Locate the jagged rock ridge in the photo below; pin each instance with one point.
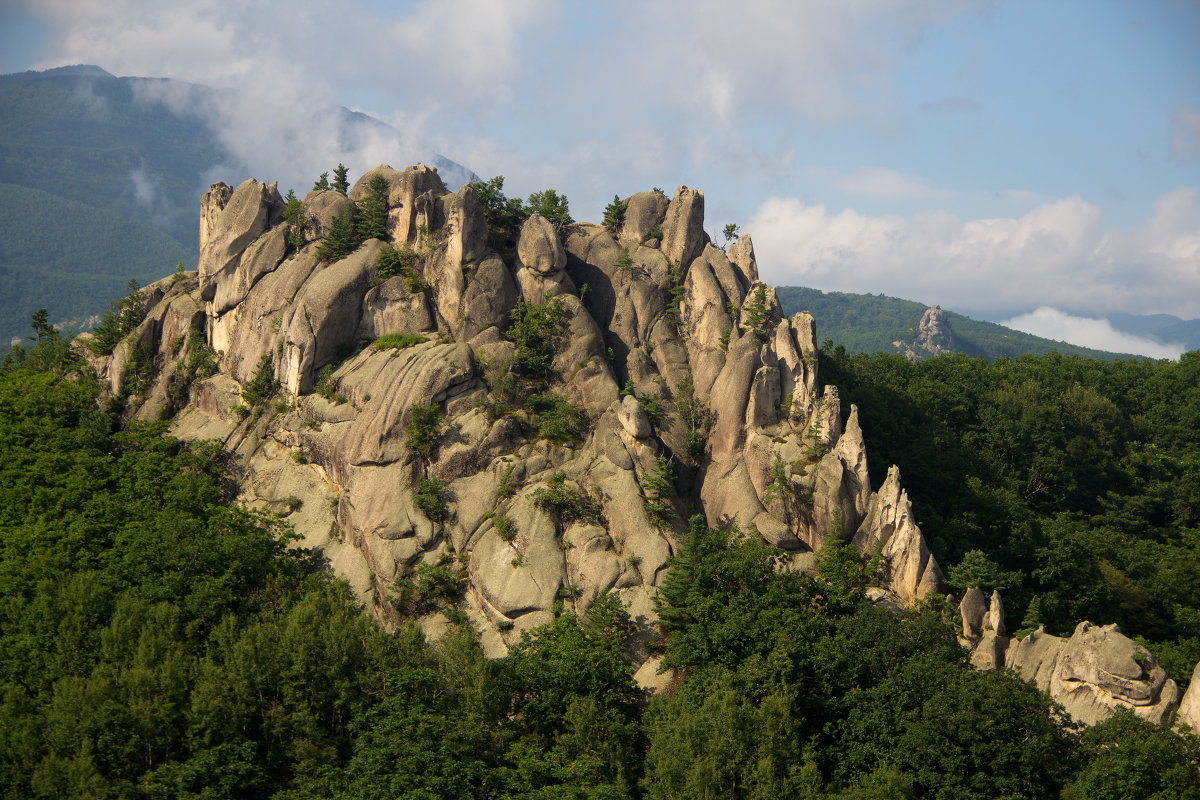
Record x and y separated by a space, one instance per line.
731 384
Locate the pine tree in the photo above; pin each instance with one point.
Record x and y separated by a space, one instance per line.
614 214
340 182
339 241
372 211
322 182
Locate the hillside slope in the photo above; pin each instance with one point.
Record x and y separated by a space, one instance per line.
62 255
864 323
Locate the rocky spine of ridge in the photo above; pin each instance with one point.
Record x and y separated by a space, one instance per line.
1091 673
753 439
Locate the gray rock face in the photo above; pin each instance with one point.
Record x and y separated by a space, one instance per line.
683 228
763 445
242 217
973 611
1097 670
643 211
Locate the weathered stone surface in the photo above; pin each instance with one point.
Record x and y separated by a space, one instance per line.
411 194
741 254
539 248
643 211
227 233
324 317
995 615
973 610
633 418
321 207
1189 707
391 308
683 227
1097 670
889 528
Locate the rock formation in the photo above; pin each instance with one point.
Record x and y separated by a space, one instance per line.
722 386
934 336
1093 672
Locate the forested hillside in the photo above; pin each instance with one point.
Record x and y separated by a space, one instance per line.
156 642
59 254
1070 484
864 323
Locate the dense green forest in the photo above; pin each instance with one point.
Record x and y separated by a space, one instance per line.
72 271
156 641
864 323
1070 484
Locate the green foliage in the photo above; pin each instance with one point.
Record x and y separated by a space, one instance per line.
325 385
730 232
322 182
340 240
504 216
341 183
555 418
675 292
756 312
424 429
506 529
431 498
536 329
1074 479
506 488
658 491
551 205
656 232
398 341
625 263
614 214
566 503
262 385
293 215
1127 758
695 414
373 210
122 317
654 409
400 260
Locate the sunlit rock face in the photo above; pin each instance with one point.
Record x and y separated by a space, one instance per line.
670 365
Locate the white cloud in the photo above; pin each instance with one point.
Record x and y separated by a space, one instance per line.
1099 334
1059 254
888 183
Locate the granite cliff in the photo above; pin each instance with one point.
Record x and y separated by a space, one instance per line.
501 426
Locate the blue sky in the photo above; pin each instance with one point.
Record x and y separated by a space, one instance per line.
993 157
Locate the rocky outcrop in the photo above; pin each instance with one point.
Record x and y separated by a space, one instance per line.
719 384
1092 673
934 336
1189 706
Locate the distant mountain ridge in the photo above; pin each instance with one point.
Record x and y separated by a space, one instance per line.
105 144
864 323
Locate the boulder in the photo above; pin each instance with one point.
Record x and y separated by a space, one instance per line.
633 417
643 211
243 216
973 610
